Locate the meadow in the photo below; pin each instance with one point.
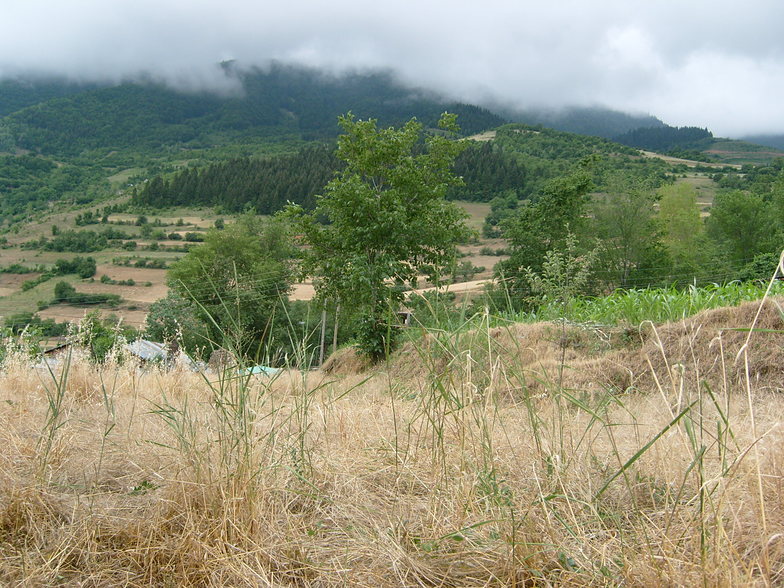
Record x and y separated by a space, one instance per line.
541 454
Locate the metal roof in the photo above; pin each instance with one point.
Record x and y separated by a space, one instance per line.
147 350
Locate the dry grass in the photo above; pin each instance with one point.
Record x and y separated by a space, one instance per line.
462 462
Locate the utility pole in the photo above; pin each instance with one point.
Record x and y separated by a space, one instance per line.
335 330
323 334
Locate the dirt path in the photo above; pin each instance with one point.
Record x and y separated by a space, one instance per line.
307 292
688 162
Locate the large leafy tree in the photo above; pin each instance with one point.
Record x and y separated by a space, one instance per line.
237 281
623 221
175 318
541 226
742 226
683 233
383 220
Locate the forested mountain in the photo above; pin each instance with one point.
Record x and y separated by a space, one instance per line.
18 93
279 101
666 138
267 184
516 164
596 121
74 137
487 171
62 142
235 185
547 153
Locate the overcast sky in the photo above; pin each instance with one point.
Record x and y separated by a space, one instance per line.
715 64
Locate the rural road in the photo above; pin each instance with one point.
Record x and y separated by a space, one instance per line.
306 291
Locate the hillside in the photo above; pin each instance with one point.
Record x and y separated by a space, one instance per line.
775 141
600 122
486 457
82 164
84 143
275 103
515 159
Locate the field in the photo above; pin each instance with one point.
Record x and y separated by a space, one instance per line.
150 283
688 162
705 189
528 455
740 152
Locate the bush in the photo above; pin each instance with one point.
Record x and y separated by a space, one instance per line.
84 267
760 268
28 320
65 293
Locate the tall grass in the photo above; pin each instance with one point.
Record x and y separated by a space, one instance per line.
658 305
459 462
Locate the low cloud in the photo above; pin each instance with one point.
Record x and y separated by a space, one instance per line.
699 63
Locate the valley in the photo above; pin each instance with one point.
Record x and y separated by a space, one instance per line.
594 399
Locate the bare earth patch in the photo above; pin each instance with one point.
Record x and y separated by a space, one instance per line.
74 314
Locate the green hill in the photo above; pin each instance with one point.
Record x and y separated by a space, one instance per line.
597 121
64 144
283 101
516 163
80 141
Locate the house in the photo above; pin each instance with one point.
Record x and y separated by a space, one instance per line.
151 351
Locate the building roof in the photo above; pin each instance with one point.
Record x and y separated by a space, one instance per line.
147 350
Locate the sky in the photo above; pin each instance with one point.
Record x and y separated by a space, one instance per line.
714 64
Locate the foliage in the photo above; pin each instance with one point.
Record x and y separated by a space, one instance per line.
487 172
436 310
634 306
26 321
30 182
238 280
100 335
741 224
623 221
65 293
84 267
265 184
683 232
761 268
565 274
502 209
384 218
177 318
547 154
666 138
541 226
78 241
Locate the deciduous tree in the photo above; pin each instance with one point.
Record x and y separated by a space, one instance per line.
541 226
382 219
238 279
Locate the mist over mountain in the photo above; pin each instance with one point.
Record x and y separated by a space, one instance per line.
706 64
595 120
19 92
58 117
775 141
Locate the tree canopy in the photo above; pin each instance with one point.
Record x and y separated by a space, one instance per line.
238 279
383 220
